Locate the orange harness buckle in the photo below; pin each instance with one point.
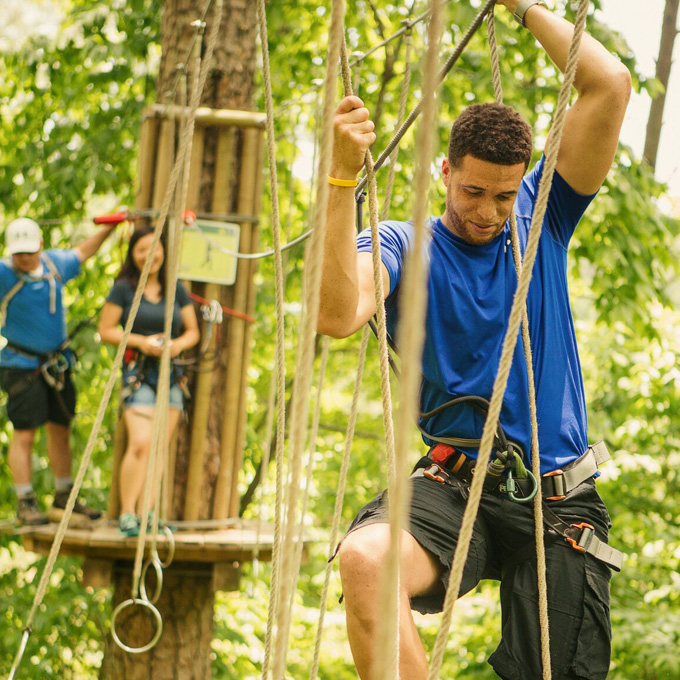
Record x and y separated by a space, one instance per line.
587 532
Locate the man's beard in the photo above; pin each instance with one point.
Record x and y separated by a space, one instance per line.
458 227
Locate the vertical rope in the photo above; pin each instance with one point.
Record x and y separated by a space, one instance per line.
535 452
108 390
339 498
390 631
403 98
305 353
509 342
274 600
311 450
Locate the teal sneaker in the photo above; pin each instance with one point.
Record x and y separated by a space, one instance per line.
128 524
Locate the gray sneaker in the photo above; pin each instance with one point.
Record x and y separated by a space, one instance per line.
28 512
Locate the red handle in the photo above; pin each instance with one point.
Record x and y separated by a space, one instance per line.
115 218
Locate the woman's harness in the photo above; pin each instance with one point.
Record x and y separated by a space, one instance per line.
507 473
139 366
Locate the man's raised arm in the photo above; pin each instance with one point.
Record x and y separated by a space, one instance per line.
603 84
347 290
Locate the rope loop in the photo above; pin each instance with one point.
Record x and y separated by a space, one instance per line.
158 568
156 615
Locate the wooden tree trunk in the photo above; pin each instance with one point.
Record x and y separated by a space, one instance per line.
183 650
663 72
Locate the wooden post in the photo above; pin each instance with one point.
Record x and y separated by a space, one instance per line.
147 161
165 156
246 202
240 436
220 202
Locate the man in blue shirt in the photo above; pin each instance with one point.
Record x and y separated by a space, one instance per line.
471 285
34 363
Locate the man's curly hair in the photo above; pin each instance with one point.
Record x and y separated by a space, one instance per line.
493 133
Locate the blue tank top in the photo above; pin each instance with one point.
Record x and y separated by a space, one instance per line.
470 293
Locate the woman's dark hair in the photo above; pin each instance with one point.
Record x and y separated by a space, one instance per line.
491 132
129 272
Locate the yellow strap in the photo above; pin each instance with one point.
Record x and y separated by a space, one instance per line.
342 182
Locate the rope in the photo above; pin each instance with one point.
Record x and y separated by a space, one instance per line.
448 65
407 26
509 343
535 452
305 354
161 411
383 351
411 329
271 400
313 433
274 601
403 97
99 417
339 498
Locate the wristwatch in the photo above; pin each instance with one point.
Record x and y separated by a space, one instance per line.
521 9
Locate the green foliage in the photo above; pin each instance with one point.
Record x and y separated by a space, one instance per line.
69 121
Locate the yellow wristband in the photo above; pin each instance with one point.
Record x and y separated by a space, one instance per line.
342 182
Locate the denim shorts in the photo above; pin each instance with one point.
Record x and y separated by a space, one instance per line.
578 584
145 394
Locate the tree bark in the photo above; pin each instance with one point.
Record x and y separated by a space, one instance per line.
663 71
183 650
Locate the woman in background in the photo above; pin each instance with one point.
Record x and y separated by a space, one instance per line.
141 365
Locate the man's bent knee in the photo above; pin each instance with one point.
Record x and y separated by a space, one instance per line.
363 553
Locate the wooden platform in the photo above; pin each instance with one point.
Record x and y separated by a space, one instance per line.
235 543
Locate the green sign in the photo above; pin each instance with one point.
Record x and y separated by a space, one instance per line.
209 252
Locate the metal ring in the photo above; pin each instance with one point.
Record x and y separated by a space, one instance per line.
159 623
157 565
171 547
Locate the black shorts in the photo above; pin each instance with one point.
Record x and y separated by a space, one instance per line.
31 402
578 584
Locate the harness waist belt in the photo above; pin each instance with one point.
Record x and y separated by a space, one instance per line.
555 484
558 483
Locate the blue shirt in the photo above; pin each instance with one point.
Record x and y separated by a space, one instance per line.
470 293
29 323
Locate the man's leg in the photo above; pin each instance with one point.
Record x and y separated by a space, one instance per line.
363 558
59 449
20 448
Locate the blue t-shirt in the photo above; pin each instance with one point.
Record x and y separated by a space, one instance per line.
29 323
470 293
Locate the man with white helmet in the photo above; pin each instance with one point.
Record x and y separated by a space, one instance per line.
35 364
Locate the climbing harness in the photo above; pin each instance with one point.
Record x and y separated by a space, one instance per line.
50 274
139 366
446 465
